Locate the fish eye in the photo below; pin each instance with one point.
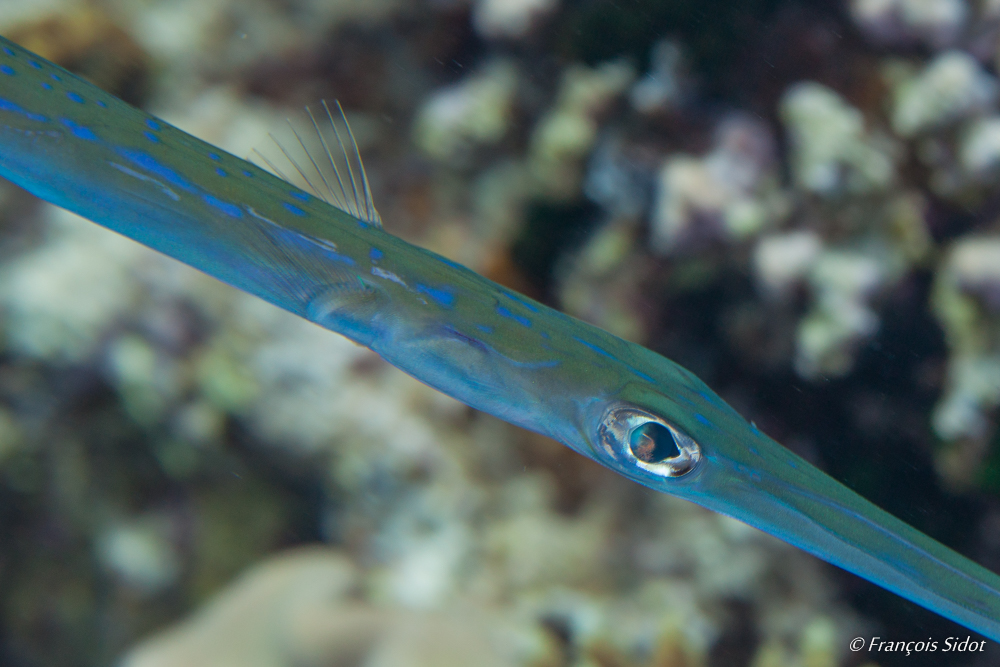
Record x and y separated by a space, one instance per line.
646 441
652 443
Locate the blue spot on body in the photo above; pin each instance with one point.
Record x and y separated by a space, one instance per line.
337 257
520 319
232 210
214 156
544 335
362 224
46 86
375 254
247 173
75 97
301 196
520 300
443 295
150 164
152 137
454 265
7 105
292 208
702 418
152 124
8 70
604 353
101 104
220 171
9 51
599 350
485 328
80 131
56 77
35 64
709 397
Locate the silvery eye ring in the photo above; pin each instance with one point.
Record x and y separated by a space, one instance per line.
648 442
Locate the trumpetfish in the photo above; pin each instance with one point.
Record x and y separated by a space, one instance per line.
616 402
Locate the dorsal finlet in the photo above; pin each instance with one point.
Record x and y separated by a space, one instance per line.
341 185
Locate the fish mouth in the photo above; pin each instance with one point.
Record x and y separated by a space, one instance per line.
789 498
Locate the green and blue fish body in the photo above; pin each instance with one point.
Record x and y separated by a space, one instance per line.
616 402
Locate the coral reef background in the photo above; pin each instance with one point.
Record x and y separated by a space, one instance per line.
797 201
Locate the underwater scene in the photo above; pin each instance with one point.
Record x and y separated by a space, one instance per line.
799 202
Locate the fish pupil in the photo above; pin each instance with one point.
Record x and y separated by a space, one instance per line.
653 443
